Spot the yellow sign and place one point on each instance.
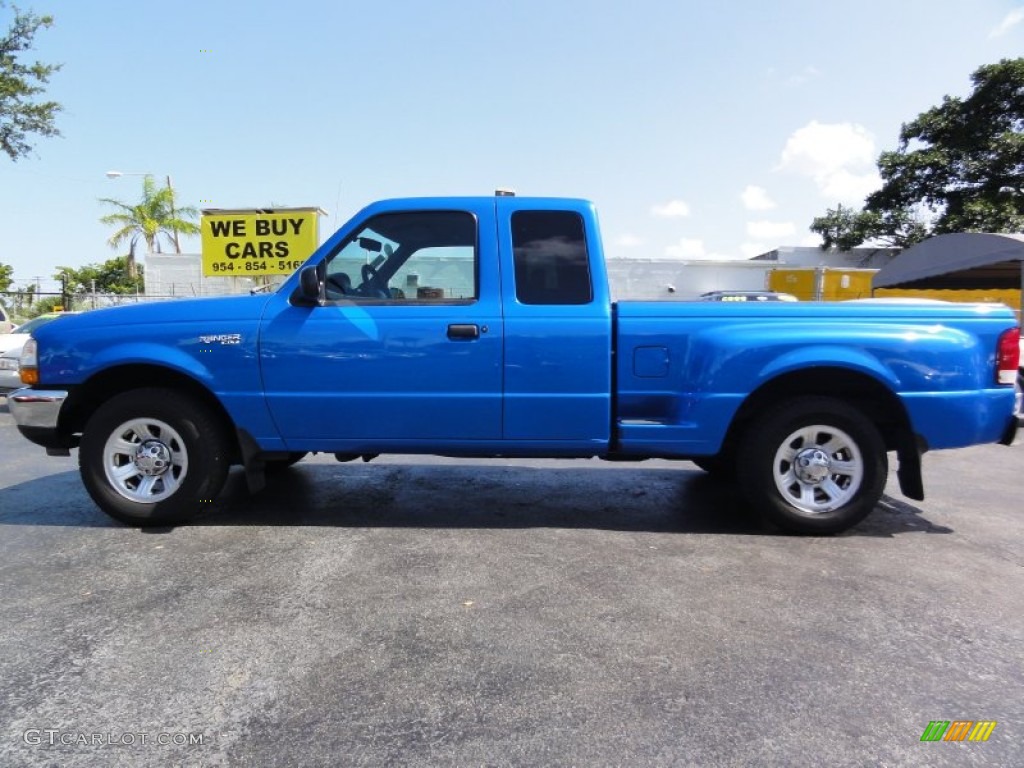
(254, 243)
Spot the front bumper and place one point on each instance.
(37, 414)
(38, 408)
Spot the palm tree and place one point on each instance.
(155, 215)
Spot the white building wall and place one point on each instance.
(181, 274)
(682, 280)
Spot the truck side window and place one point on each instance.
(416, 256)
(550, 254)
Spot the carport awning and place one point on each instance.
(964, 261)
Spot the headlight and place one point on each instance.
(29, 363)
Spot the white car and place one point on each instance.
(9, 378)
(11, 345)
(6, 326)
(16, 339)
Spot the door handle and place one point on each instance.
(463, 331)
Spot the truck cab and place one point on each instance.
(469, 323)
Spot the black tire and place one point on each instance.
(178, 433)
(827, 480)
(274, 466)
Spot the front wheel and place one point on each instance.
(813, 465)
(153, 457)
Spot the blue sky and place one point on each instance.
(700, 129)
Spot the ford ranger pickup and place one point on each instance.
(484, 327)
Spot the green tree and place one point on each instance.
(958, 167)
(111, 276)
(21, 114)
(846, 228)
(44, 305)
(6, 277)
(156, 214)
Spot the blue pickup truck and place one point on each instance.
(483, 327)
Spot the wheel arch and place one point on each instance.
(87, 397)
(869, 395)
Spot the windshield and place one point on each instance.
(34, 323)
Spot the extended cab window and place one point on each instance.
(419, 256)
(550, 254)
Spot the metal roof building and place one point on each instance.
(961, 261)
(957, 261)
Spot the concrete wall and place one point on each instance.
(652, 278)
(181, 274)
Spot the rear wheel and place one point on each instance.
(153, 457)
(813, 465)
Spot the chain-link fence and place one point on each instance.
(21, 305)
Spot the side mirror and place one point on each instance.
(309, 291)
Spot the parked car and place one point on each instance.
(6, 326)
(747, 296)
(11, 345)
(9, 378)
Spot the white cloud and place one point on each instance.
(687, 248)
(629, 241)
(770, 230)
(750, 250)
(1011, 20)
(839, 157)
(673, 209)
(811, 241)
(756, 199)
(820, 148)
(850, 187)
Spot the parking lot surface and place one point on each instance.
(420, 611)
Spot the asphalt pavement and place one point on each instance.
(424, 612)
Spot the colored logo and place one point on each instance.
(958, 730)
